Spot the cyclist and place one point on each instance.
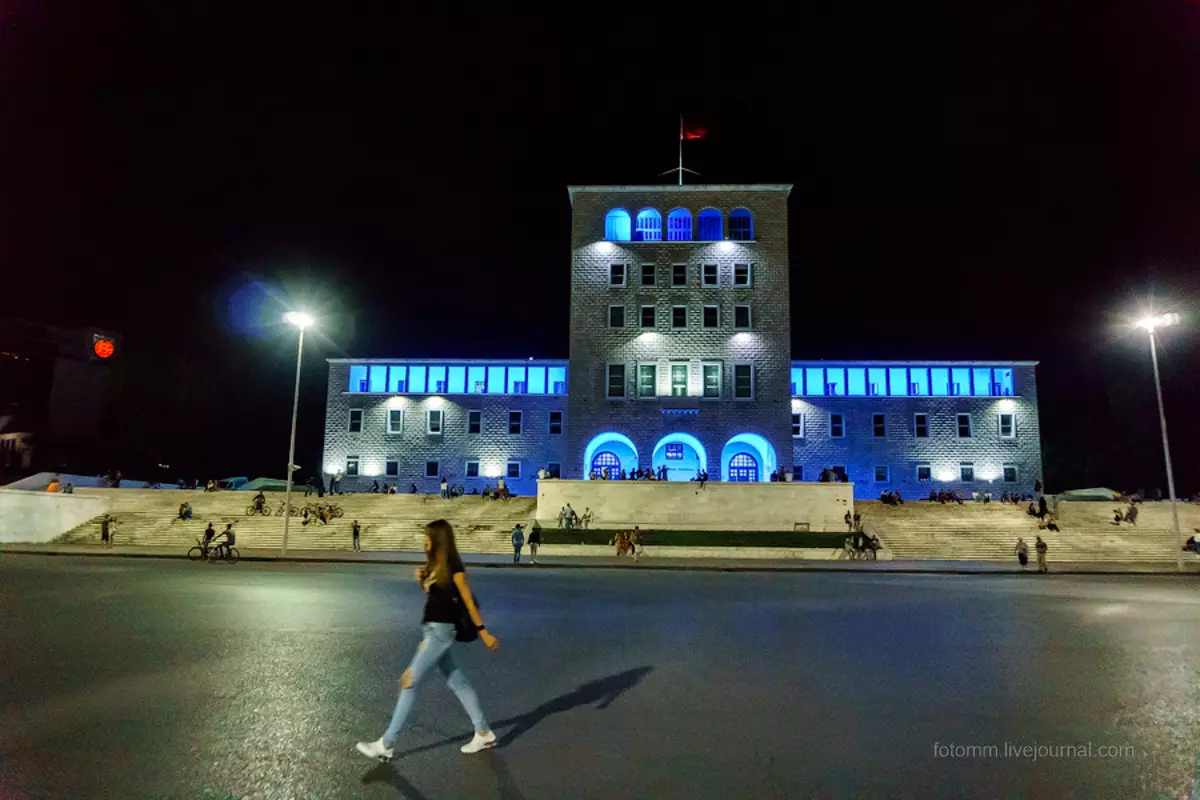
(228, 540)
(209, 533)
(260, 500)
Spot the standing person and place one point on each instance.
(209, 533)
(586, 519)
(445, 488)
(335, 484)
(849, 520)
(535, 541)
(858, 521)
(105, 526)
(112, 531)
(518, 541)
(1022, 551)
(1041, 554)
(355, 530)
(309, 488)
(637, 543)
(562, 516)
(569, 517)
(448, 599)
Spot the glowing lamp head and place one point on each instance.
(103, 348)
(299, 318)
(604, 247)
(1152, 322)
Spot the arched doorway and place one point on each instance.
(743, 468)
(748, 457)
(613, 450)
(682, 455)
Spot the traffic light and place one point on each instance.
(104, 347)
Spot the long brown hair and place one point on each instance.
(442, 560)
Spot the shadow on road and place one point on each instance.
(386, 773)
(603, 692)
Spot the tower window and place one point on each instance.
(710, 225)
(741, 225)
(616, 225)
(679, 225)
(648, 227)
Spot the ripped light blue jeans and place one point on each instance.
(435, 649)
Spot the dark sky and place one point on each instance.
(998, 180)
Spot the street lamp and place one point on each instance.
(1150, 323)
(301, 320)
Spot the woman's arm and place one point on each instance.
(460, 580)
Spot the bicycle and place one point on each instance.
(223, 552)
(293, 510)
(251, 510)
(200, 551)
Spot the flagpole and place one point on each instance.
(681, 149)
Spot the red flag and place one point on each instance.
(692, 133)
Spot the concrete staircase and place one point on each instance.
(389, 522)
(978, 532)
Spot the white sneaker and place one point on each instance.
(481, 741)
(375, 749)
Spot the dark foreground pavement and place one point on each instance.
(140, 678)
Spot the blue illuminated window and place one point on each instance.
(648, 227)
(743, 468)
(558, 380)
(537, 380)
(606, 459)
(835, 378)
(814, 381)
(710, 225)
(856, 377)
(674, 451)
(476, 380)
(495, 383)
(918, 377)
(877, 381)
(1004, 382)
(616, 225)
(960, 381)
(457, 380)
(437, 380)
(939, 379)
(416, 379)
(741, 225)
(898, 381)
(397, 378)
(679, 225)
(516, 380)
(797, 381)
(983, 381)
(378, 378)
(358, 379)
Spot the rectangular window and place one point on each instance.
(555, 469)
(616, 274)
(741, 274)
(743, 382)
(797, 473)
(433, 421)
(881, 473)
(378, 378)
(712, 317)
(648, 317)
(1008, 426)
(710, 275)
(616, 316)
(878, 426)
(513, 469)
(358, 378)
(679, 380)
(537, 380)
(814, 380)
(514, 423)
(856, 379)
(712, 380)
(615, 382)
(432, 469)
(918, 382)
(835, 381)
(924, 473)
(474, 422)
(966, 471)
(1010, 473)
(647, 380)
(354, 425)
(557, 378)
(516, 380)
(837, 426)
(981, 378)
(678, 317)
(877, 381)
(741, 227)
(395, 422)
(416, 379)
(898, 381)
(741, 317)
(437, 380)
(921, 426)
(495, 380)
(458, 380)
(1004, 382)
(797, 426)
(964, 426)
(472, 470)
(939, 379)
(556, 423)
(960, 381)
(674, 451)
(351, 466)
(476, 380)
(648, 274)
(679, 274)
(797, 381)
(397, 378)
(391, 468)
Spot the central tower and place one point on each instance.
(680, 337)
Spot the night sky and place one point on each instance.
(993, 181)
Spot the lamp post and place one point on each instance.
(1150, 324)
(301, 321)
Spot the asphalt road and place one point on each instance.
(145, 678)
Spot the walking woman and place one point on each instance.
(1022, 551)
(444, 580)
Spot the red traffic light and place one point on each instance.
(103, 347)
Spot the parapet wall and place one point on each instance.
(41, 516)
(684, 506)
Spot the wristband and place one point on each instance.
(481, 627)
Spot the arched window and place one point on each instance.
(743, 468)
(606, 459)
(616, 225)
(741, 225)
(649, 226)
(679, 225)
(710, 225)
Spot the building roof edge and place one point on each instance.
(786, 188)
